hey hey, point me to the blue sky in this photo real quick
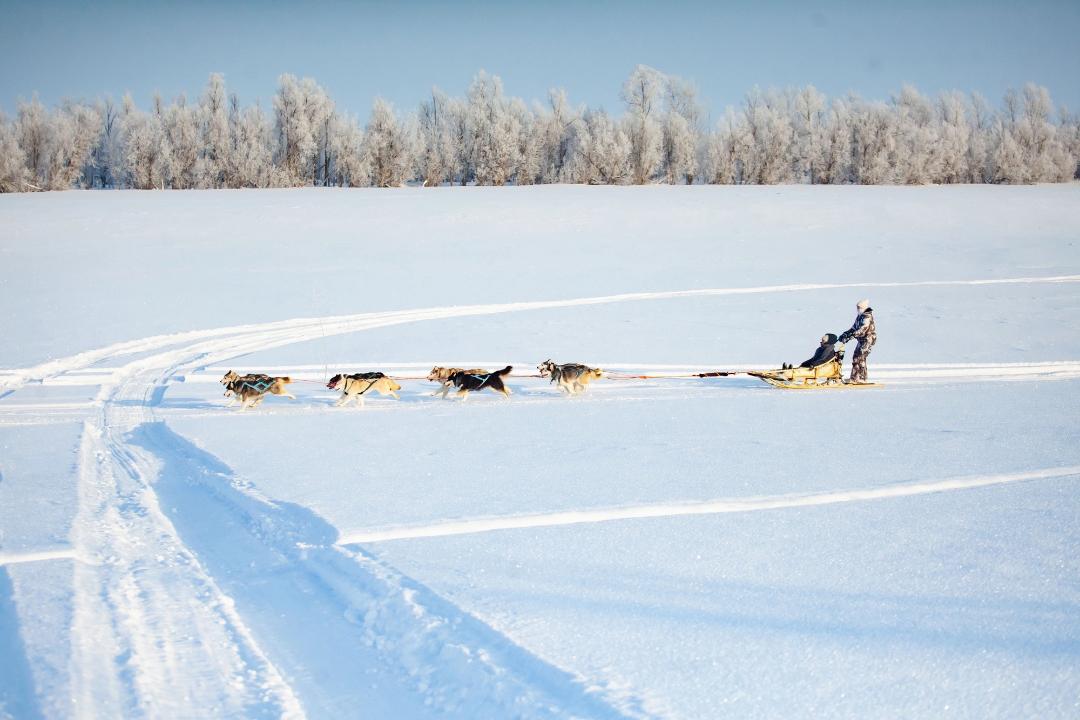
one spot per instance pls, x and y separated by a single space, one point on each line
360 50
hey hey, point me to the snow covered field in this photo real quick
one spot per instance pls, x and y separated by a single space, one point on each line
676 548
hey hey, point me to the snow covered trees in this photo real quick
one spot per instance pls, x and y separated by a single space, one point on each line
388 147
600 152
215 168
13 171
435 142
488 138
492 130
641 93
302 112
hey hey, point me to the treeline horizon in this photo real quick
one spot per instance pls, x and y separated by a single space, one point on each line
791 136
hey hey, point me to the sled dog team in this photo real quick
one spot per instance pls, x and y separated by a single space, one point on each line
572 378
250 389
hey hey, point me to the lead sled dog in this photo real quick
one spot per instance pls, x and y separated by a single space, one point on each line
250 389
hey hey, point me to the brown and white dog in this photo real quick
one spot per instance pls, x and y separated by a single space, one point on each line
467 382
251 388
359 384
442 375
571 377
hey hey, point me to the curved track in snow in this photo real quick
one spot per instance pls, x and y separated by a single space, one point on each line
158 627
708 507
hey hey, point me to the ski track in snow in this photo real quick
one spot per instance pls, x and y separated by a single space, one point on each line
708 507
159 626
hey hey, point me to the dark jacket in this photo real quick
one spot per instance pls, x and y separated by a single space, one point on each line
824 354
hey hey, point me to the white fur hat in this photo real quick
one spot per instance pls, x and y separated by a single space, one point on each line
862 305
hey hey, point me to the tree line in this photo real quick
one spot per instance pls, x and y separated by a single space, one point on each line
487 138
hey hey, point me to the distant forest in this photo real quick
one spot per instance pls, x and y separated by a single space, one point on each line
487 138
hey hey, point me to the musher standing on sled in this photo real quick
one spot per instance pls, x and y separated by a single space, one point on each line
863 331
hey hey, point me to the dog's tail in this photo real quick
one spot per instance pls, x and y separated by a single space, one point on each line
505 371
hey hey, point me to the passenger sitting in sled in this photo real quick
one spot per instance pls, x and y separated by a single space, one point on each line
824 353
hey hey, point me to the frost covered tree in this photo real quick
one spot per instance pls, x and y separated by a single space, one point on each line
32 131
836 154
1027 146
295 137
458 146
74 130
215 136
642 93
600 151
722 156
351 162
1006 156
13 172
145 155
435 146
181 126
679 149
105 155
554 128
873 143
954 138
980 126
770 138
1044 154
523 125
1070 137
387 147
680 130
809 121
916 147
492 131
55 148
251 156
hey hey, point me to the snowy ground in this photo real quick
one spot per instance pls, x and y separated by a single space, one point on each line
678 548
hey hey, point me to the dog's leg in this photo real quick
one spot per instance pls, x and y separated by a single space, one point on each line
463 394
342 400
395 395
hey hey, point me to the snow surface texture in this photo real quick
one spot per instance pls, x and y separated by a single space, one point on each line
679 547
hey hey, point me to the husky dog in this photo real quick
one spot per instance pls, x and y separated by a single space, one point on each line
467 382
251 389
571 377
442 375
358 384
